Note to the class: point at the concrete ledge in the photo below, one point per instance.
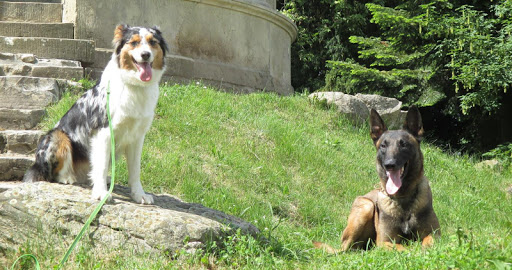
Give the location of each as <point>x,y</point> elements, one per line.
<point>184,69</point>
<point>253,8</point>
<point>230,77</point>
<point>25,29</point>
<point>71,49</point>
<point>31,12</point>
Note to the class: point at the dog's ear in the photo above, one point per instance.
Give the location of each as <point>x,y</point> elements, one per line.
<point>161,40</point>
<point>413,123</point>
<point>377,126</point>
<point>119,33</point>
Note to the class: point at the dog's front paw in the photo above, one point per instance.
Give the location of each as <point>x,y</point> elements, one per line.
<point>142,198</point>
<point>98,194</point>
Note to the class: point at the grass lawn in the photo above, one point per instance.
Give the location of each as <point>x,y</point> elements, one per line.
<point>293,168</point>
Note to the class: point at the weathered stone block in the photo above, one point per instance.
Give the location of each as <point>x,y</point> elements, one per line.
<point>31,12</point>
<point>59,48</point>
<point>19,141</point>
<point>19,92</point>
<point>20,118</point>
<point>27,29</point>
<point>13,167</point>
<point>69,73</point>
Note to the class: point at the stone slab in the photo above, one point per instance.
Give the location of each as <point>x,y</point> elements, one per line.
<point>31,12</point>
<point>168,226</point>
<point>57,72</point>
<point>69,73</point>
<point>13,167</point>
<point>59,48</point>
<point>19,141</point>
<point>31,1</point>
<point>26,29</point>
<point>18,119</point>
<point>21,92</point>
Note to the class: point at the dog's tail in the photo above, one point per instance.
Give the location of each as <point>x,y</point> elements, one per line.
<point>52,155</point>
<point>326,247</point>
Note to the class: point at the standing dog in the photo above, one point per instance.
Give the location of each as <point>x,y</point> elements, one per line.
<point>79,144</point>
<point>401,209</point>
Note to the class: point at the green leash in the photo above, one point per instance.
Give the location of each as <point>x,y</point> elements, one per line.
<point>98,207</point>
<point>38,267</point>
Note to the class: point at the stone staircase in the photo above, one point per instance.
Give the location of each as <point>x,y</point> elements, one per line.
<point>38,57</point>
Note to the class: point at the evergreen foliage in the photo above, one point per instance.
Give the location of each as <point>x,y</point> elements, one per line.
<point>443,55</point>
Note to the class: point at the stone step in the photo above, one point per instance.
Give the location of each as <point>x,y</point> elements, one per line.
<point>22,142</point>
<point>101,58</point>
<point>18,119</point>
<point>68,73</point>
<point>58,48</point>
<point>29,29</point>
<point>29,65</point>
<point>31,12</point>
<point>13,167</point>
<point>32,59</point>
<point>32,1</point>
<point>20,92</point>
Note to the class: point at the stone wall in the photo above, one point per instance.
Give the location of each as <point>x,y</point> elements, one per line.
<point>243,45</point>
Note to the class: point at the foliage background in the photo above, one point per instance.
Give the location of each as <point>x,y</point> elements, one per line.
<point>451,58</point>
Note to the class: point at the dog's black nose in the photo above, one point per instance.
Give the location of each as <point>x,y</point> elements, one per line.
<point>390,164</point>
<point>145,55</point>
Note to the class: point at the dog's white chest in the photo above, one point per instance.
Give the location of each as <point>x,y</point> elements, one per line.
<point>131,129</point>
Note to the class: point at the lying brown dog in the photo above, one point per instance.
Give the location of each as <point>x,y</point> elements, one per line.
<point>401,209</point>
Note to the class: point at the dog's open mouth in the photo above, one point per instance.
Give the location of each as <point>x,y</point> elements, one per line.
<point>144,70</point>
<point>394,181</point>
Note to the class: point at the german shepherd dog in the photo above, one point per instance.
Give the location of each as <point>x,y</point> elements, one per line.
<point>401,209</point>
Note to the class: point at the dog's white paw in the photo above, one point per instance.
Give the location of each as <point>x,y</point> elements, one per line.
<point>98,194</point>
<point>142,198</point>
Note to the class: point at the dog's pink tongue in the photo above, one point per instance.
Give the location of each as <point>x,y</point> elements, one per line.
<point>394,182</point>
<point>145,71</point>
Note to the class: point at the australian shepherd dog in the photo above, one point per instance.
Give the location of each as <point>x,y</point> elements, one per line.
<point>78,147</point>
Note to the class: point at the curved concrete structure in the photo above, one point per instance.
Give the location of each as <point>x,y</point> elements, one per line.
<point>241,45</point>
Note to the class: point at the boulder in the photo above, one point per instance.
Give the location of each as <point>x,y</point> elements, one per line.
<point>167,226</point>
<point>388,109</point>
<point>357,107</point>
<point>348,105</point>
<point>492,164</point>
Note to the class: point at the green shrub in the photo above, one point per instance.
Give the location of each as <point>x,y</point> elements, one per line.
<point>455,58</point>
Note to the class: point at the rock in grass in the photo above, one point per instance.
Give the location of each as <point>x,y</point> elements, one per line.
<point>169,225</point>
<point>492,164</point>
<point>357,108</point>
<point>348,105</point>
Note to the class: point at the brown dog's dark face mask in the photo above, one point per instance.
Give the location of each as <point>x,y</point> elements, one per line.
<point>396,149</point>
